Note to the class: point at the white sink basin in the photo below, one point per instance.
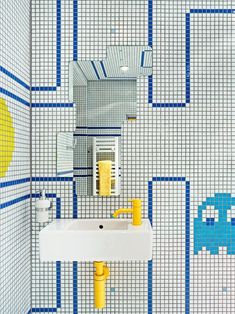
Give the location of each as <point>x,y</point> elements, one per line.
<point>96,240</point>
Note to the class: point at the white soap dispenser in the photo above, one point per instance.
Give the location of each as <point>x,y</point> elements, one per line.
<point>42,206</point>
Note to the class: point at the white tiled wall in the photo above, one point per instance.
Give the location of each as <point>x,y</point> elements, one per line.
<point>15,183</point>
<point>178,153</point>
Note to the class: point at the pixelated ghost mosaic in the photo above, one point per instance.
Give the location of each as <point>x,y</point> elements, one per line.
<point>215,225</point>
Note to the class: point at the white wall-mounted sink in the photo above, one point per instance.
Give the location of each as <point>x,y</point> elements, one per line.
<point>96,240</point>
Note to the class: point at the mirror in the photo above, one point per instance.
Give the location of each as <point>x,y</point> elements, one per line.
<point>105,96</point>
<point>64,157</point>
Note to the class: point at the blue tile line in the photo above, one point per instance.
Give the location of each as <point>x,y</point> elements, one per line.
<point>34,179</point>
<point>150,23</point>
<point>187,58</point>
<point>49,195</point>
<point>51,179</point>
<point>75,30</point>
<point>14,182</point>
<point>24,197</point>
<point>14,201</point>
<point>75,201</point>
<point>35,105</point>
<point>75,287</point>
<point>187,238</point>
<point>58,44</point>
<point>44,88</point>
<point>14,96</point>
<point>58,284</point>
<point>42,310</point>
<point>150,89</point>
<point>14,77</point>
<point>187,54</point>
<point>75,264</point>
<point>58,264</point>
<point>156,179</point>
<point>58,208</point>
<point>52,105</point>
<point>212,11</point>
<point>77,135</point>
<point>150,284</point>
<point>96,71</point>
<point>187,248</point>
<point>103,68</point>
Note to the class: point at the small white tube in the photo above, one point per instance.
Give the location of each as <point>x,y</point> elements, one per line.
<point>42,206</point>
<point>42,216</point>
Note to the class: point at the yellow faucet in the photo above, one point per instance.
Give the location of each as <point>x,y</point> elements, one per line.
<point>100,276</point>
<point>135,211</point>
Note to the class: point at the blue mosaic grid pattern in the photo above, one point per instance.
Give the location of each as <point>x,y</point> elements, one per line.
<point>60,101</point>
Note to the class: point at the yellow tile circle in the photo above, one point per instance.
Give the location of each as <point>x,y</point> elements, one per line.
<point>7,141</point>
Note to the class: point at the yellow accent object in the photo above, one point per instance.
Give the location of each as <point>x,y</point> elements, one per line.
<point>100,276</point>
<point>104,177</point>
<point>131,119</point>
<point>7,141</point>
<point>135,211</point>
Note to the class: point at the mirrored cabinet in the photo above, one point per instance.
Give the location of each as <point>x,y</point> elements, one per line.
<point>105,94</point>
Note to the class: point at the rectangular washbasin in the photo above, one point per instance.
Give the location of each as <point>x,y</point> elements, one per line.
<point>95,240</point>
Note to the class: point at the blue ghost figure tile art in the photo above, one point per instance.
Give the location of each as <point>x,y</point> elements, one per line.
<point>218,231</point>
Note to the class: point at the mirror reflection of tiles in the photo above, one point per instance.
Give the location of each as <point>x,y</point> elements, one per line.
<point>116,157</point>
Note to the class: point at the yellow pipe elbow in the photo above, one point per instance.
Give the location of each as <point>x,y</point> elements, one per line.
<point>122,211</point>
<point>100,277</point>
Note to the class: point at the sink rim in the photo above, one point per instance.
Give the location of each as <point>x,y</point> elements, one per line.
<point>63,225</point>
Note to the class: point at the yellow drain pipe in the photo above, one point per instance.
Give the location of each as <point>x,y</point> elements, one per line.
<point>100,276</point>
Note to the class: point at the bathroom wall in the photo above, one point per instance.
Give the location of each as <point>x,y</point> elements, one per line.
<point>14,156</point>
<point>177,157</point>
